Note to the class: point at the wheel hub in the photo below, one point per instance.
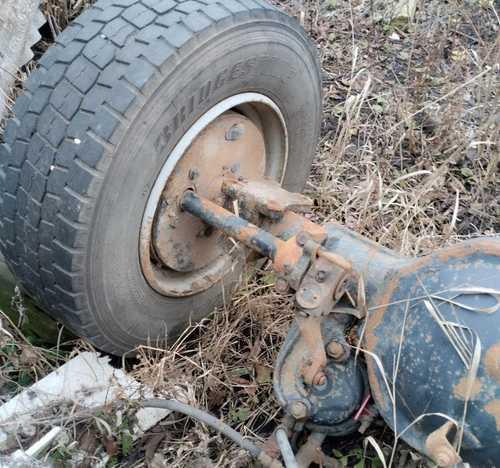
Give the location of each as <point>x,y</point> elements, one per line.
<point>230,145</point>
<point>243,136</point>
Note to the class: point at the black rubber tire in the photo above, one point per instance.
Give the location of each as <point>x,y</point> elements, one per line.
<point>78,159</point>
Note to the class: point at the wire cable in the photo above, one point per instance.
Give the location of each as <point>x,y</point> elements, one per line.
<point>206,418</point>
<point>285,448</point>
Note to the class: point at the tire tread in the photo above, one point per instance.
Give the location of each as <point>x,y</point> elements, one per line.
<point>67,123</point>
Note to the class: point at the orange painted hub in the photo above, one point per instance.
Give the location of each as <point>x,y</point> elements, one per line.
<point>232,145</point>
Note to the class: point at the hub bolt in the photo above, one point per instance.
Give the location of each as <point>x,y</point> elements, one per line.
<point>235,132</point>
<point>321,276</point>
<point>335,350</point>
<point>301,238</point>
<point>298,410</point>
<point>193,174</point>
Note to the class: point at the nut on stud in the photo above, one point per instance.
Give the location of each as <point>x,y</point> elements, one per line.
<point>298,410</point>
<point>301,238</point>
<point>193,174</point>
<point>235,132</point>
<point>321,276</point>
<point>335,350</point>
<point>319,379</point>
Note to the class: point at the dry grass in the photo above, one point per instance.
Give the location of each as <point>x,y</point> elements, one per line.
<point>224,364</point>
<point>22,362</point>
<point>408,157</point>
<point>402,163</point>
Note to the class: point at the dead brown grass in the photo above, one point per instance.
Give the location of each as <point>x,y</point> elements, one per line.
<point>224,364</point>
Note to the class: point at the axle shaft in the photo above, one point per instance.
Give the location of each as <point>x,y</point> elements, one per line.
<point>214,215</point>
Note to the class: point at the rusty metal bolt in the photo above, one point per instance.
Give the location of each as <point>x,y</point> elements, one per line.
<point>446,457</point>
<point>335,350</point>
<point>281,285</point>
<point>309,297</point>
<point>193,174</point>
<point>298,410</point>
<point>321,276</point>
<point>319,379</point>
<point>235,132</point>
<point>301,238</point>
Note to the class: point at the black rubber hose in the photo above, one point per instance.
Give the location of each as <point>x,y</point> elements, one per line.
<point>206,418</point>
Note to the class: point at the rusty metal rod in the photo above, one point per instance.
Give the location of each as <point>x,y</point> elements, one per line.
<point>234,226</point>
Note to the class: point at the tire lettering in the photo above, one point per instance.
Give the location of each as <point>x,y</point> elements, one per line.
<point>220,80</point>
<point>205,92</point>
<point>250,64</point>
<point>163,139</point>
<point>238,70</point>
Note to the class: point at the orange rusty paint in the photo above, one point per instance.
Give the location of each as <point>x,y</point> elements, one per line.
<point>265,196</point>
<point>335,259</point>
<point>288,253</point>
<point>293,223</point>
<point>460,389</point>
<point>310,329</point>
<point>493,408</point>
<point>310,452</point>
<point>182,241</point>
<point>376,316</point>
<point>492,362</point>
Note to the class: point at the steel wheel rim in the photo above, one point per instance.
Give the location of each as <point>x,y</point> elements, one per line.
<point>265,113</point>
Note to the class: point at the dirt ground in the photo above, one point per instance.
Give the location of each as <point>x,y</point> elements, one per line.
<point>408,157</point>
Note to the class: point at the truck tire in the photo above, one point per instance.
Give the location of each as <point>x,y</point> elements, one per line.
<point>100,118</point>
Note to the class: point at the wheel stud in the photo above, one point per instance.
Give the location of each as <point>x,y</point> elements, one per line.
<point>298,410</point>
<point>235,132</point>
<point>281,285</point>
<point>193,174</point>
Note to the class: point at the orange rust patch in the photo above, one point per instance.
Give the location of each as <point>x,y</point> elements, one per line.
<point>492,362</point>
<point>294,223</point>
<point>460,389</point>
<point>439,448</point>
<point>493,408</point>
<point>486,246</point>
<point>287,253</point>
<point>310,329</point>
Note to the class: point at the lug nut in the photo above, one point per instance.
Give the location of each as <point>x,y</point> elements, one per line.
<point>193,174</point>
<point>298,410</point>
<point>321,276</point>
<point>335,350</point>
<point>235,132</point>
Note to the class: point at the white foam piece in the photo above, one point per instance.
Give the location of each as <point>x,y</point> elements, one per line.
<point>87,381</point>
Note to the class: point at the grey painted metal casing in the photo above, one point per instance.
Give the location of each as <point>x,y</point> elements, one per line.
<point>427,319</point>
